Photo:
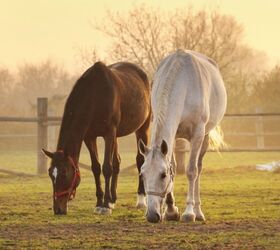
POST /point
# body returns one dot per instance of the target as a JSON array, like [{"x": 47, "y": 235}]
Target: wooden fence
[{"x": 44, "y": 120}]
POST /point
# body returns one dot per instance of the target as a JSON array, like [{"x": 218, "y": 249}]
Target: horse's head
[
  {"x": 157, "y": 176},
  {"x": 65, "y": 178}
]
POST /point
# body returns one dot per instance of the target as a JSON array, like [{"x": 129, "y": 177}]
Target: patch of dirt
[{"x": 156, "y": 236}]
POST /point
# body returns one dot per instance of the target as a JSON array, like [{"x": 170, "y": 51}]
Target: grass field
[{"x": 241, "y": 205}]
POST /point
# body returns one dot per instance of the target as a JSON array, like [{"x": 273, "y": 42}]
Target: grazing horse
[
  {"x": 106, "y": 102},
  {"x": 188, "y": 101}
]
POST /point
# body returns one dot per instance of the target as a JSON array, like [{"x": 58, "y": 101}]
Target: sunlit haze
[{"x": 35, "y": 30}]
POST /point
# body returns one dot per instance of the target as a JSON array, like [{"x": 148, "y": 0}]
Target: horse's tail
[{"x": 216, "y": 139}]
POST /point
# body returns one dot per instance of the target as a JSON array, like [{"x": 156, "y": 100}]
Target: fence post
[
  {"x": 259, "y": 130},
  {"x": 42, "y": 134}
]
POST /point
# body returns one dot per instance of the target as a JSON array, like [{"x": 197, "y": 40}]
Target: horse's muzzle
[
  {"x": 153, "y": 217},
  {"x": 60, "y": 207},
  {"x": 60, "y": 211}
]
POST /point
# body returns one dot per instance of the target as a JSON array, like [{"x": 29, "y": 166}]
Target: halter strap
[{"x": 71, "y": 191}]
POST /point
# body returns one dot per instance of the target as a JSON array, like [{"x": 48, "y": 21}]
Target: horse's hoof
[
  {"x": 200, "y": 217},
  {"x": 111, "y": 205},
  {"x": 172, "y": 215},
  {"x": 188, "y": 217},
  {"x": 97, "y": 210},
  {"x": 106, "y": 211}
]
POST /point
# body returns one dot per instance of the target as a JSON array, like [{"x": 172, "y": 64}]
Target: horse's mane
[
  {"x": 163, "y": 84},
  {"x": 78, "y": 97}
]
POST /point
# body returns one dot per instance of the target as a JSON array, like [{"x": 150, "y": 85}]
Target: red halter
[{"x": 71, "y": 191}]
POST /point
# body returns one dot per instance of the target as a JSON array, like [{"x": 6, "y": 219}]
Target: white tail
[{"x": 216, "y": 139}]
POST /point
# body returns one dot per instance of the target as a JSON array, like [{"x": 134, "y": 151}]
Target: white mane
[{"x": 163, "y": 83}]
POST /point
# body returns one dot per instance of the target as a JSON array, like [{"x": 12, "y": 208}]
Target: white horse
[{"x": 188, "y": 101}]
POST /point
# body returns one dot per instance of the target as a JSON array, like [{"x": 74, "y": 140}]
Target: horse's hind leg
[
  {"x": 192, "y": 170},
  {"x": 96, "y": 170},
  {"x": 197, "y": 206},
  {"x": 171, "y": 212},
  {"x": 116, "y": 170},
  {"x": 141, "y": 133}
]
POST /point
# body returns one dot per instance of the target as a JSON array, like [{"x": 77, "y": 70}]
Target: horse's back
[
  {"x": 196, "y": 84},
  {"x": 131, "y": 69}
]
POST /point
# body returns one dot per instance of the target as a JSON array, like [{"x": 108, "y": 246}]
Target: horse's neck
[
  {"x": 165, "y": 129},
  {"x": 70, "y": 142},
  {"x": 168, "y": 105}
]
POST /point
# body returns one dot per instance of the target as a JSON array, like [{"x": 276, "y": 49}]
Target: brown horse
[{"x": 106, "y": 102}]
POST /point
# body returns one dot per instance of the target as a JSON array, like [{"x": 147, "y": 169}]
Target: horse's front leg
[
  {"x": 171, "y": 211},
  {"x": 116, "y": 170},
  {"x": 96, "y": 170},
  {"x": 192, "y": 171},
  {"x": 141, "y": 133},
  {"x": 107, "y": 169}
]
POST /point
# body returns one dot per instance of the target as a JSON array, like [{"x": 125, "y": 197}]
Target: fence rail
[
  {"x": 44, "y": 121},
  {"x": 18, "y": 119}
]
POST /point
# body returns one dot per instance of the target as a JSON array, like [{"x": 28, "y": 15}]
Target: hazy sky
[{"x": 35, "y": 30}]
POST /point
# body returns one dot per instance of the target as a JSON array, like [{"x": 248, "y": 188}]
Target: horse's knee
[
  {"x": 116, "y": 165},
  {"x": 96, "y": 169},
  {"x": 107, "y": 170},
  {"x": 192, "y": 173}
]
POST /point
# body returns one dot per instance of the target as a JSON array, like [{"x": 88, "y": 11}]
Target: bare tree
[
  {"x": 266, "y": 94},
  {"x": 138, "y": 37},
  {"x": 7, "y": 82},
  {"x": 216, "y": 35},
  {"x": 146, "y": 35},
  {"x": 88, "y": 57},
  {"x": 46, "y": 79}
]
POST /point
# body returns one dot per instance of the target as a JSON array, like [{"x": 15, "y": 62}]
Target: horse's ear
[
  {"x": 142, "y": 147},
  {"x": 164, "y": 147},
  {"x": 47, "y": 153}
]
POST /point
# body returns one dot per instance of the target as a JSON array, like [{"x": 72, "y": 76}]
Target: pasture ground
[{"x": 241, "y": 205}]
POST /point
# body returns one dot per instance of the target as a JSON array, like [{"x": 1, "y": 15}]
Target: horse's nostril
[{"x": 157, "y": 217}]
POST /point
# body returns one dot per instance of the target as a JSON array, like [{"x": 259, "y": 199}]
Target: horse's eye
[{"x": 163, "y": 175}]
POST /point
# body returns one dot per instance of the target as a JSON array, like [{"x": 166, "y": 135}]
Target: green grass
[{"x": 241, "y": 205}]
